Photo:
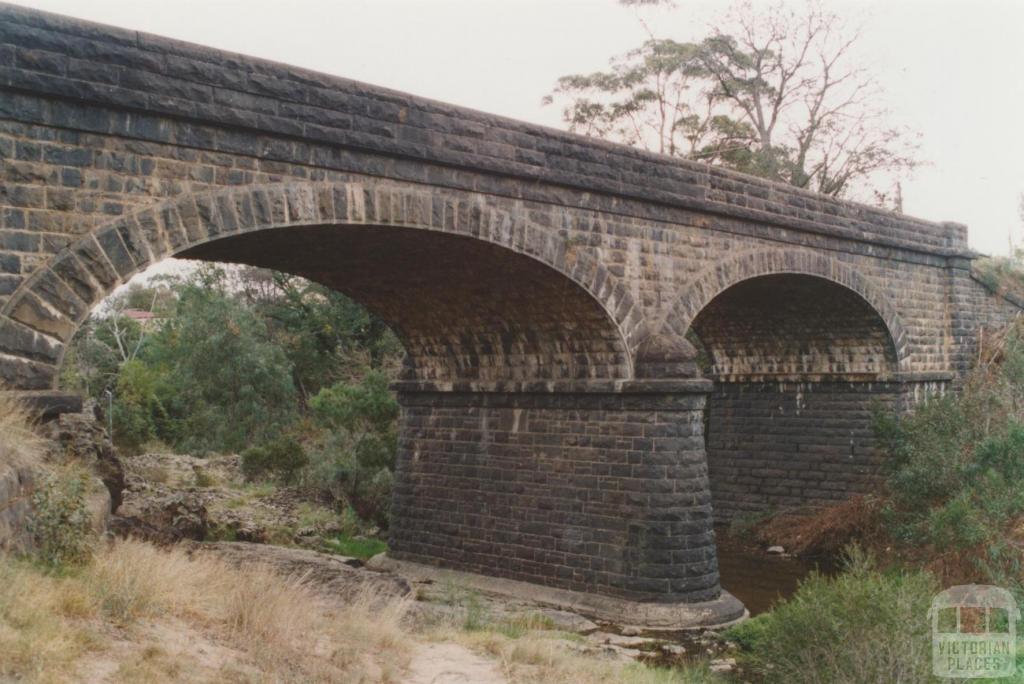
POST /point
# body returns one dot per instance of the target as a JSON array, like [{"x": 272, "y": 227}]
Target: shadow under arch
[
  {"x": 478, "y": 292},
  {"x": 801, "y": 350},
  {"x": 712, "y": 282}
]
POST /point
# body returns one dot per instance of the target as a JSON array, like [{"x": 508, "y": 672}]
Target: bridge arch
[
  {"x": 498, "y": 298},
  {"x": 715, "y": 280},
  {"x": 801, "y": 350}
]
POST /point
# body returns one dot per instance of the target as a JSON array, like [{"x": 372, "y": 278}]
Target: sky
[{"x": 951, "y": 70}]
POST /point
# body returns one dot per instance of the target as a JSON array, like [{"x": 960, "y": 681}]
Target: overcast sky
[{"x": 951, "y": 69}]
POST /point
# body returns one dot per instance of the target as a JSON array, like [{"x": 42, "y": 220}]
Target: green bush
[
  {"x": 227, "y": 386},
  {"x": 60, "y": 524},
  {"x": 861, "y": 626},
  {"x": 137, "y": 409},
  {"x": 231, "y": 362},
  {"x": 362, "y": 548},
  {"x": 280, "y": 459},
  {"x": 357, "y": 454},
  {"x": 955, "y": 472}
]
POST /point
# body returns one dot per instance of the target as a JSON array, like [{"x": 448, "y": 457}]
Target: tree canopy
[
  {"x": 772, "y": 92},
  {"x": 230, "y": 360}
]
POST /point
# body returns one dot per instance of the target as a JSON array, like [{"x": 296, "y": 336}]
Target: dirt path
[{"x": 451, "y": 664}]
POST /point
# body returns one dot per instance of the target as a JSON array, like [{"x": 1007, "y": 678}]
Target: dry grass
[
  {"x": 51, "y": 626},
  {"x": 826, "y": 530},
  {"x": 530, "y": 649},
  {"x": 41, "y": 618},
  {"x": 1002, "y": 275},
  {"x": 547, "y": 657},
  {"x": 18, "y": 439}
]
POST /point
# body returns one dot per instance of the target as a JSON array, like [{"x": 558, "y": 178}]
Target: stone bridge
[{"x": 604, "y": 345}]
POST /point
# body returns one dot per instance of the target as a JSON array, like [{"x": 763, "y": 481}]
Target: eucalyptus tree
[{"x": 770, "y": 91}]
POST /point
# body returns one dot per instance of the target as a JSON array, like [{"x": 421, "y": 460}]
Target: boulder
[
  {"x": 17, "y": 479},
  {"x": 83, "y": 437},
  {"x": 568, "y": 622},
  {"x": 335, "y": 577},
  {"x": 162, "y": 517}
]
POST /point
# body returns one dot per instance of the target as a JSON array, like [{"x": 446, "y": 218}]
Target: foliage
[
  {"x": 627, "y": 102},
  {"x": 363, "y": 548},
  {"x": 281, "y": 458},
  {"x": 861, "y": 626},
  {"x": 771, "y": 92},
  {"x": 1002, "y": 275},
  {"x": 326, "y": 336},
  {"x": 60, "y": 524},
  {"x": 231, "y": 362},
  {"x": 955, "y": 479},
  {"x": 242, "y": 359},
  {"x": 226, "y": 386},
  {"x": 357, "y": 455},
  {"x": 110, "y": 338},
  {"x": 138, "y": 411}
]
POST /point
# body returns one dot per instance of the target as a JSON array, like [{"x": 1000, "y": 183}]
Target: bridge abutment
[
  {"x": 774, "y": 445},
  {"x": 593, "y": 487}
]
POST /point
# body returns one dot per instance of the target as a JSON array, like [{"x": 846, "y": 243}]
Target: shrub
[
  {"x": 357, "y": 454},
  {"x": 60, "y": 525},
  {"x": 955, "y": 478},
  {"x": 204, "y": 479},
  {"x": 1002, "y": 275},
  {"x": 363, "y": 548},
  {"x": 281, "y": 458},
  {"x": 862, "y": 626},
  {"x": 137, "y": 410}
]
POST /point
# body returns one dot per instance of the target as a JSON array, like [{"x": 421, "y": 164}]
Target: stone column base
[{"x": 722, "y": 612}]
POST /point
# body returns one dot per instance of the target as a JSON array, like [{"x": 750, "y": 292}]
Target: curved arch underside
[
  {"x": 799, "y": 363},
  {"x": 466, "y": 310},
  {"x": 746, "y": 266},
  {"x": 796, "y": 327}
]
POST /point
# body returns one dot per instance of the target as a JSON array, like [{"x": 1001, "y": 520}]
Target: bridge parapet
[{"x": 185, "y": 94}]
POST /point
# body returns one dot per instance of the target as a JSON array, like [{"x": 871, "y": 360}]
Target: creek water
[{"x": 757, "y": 578}]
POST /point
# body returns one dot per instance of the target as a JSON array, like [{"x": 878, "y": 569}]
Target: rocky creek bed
[{"x": 206, "y": 504}]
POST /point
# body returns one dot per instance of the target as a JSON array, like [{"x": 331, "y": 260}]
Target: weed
[
  {"x": 203, "y": 479},
  {"x": 356, "y": 547},
  {"x": 61, "y": 526}
]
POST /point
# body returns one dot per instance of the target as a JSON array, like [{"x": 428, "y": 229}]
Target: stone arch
[
  {"x": 716, "y": 279},
  {"x": 46, "y": 310}
]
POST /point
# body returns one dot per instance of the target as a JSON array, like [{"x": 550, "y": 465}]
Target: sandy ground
[{"x": 451, "y": 664}]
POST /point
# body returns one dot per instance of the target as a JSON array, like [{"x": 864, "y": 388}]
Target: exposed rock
[
  {"x": 99, "y": 505},
  {"x": 723, "y": 665},
  {"x": 619, "y": 640},
  {"x": 162, "y": 516},
  {"x": 233, "y": 512},
  {"x": 568, "y": 622},
  {"x": 776, "y": 550},
  {"x": 83, "y": 437},
  {"x": 335, "y": 577},
  {"x": 78, "y": 437},
  {"x": 16, "y": 482},
  {"x": 239, "y": 525}
]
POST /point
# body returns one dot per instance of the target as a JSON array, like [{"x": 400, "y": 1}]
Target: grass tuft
[{"x": 356, "y": 548}]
